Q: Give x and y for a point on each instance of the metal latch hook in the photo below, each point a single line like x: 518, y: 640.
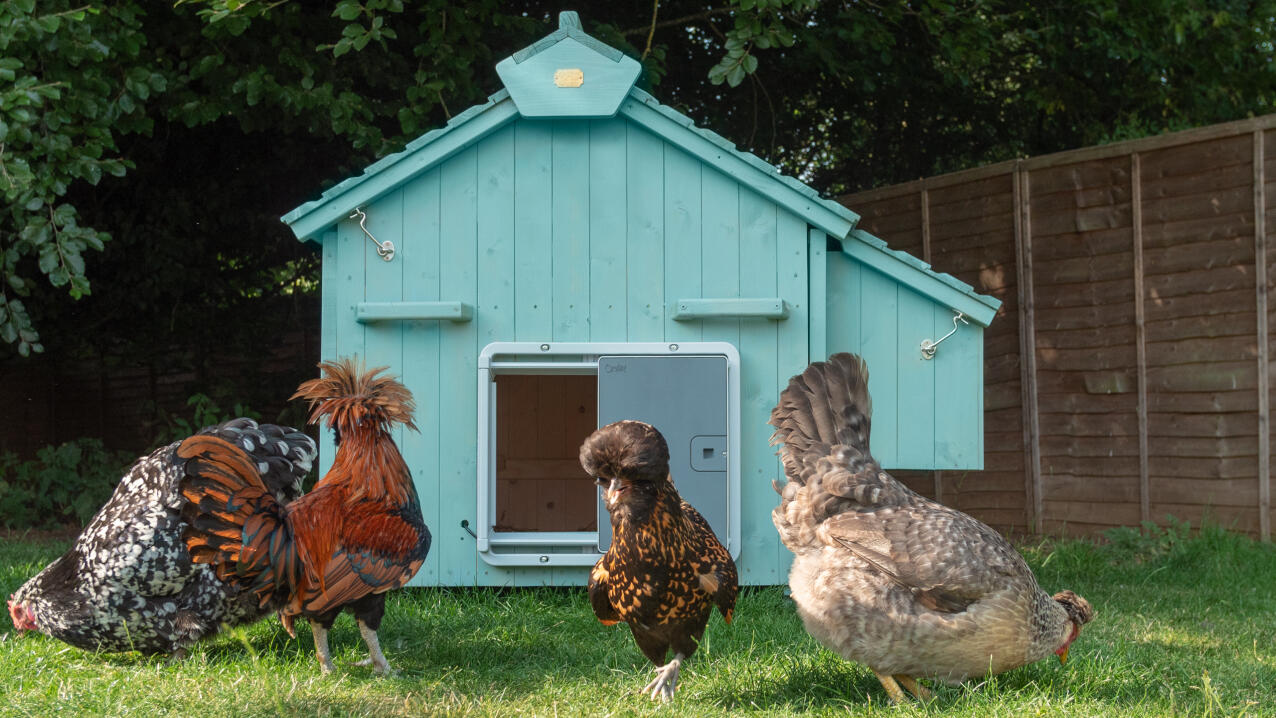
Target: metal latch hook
x: 929, y: 347
x: 385, y: 249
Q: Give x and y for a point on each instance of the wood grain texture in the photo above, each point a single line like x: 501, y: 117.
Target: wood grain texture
x: 1150, y: 356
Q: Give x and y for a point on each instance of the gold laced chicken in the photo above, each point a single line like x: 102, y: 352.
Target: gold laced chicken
x: 665, y: 569
x: 886, y: 577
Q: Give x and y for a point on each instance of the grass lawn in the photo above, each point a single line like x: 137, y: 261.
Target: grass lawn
x: 1184, y: 627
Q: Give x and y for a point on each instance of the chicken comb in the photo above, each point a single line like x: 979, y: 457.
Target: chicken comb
x: 350, y: 395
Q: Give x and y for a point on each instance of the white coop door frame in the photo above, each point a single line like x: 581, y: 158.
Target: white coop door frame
x: 581, y: 548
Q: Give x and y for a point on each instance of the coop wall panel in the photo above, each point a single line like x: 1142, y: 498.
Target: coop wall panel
x: 578, y: 231
x: 927, y: 413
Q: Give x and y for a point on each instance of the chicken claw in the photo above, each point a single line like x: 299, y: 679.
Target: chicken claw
x: 666, y: 680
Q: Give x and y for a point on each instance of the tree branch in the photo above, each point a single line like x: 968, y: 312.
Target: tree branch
x: 711, y: 12
x: 655, y: 9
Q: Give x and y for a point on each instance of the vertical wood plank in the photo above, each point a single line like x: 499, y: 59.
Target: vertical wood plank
x: 534, y: 226
x: 822, y: 306
x: 1140, y: 335
x: 720, y: 249
x: 683, y: 240
x: 495, y: 303
x: 959, y: 392
x: 916, y: 393
x: 1027, y: 350
x: 331, y: 319
x: 458, y: 439
x: 645, y: 235
x: 792, y: 353
x: 879, y: 345
x: 608, y: 285
x: 841, y: 311
x: 421, y: 274
x: 1264, y: 377
x: 759, y: 378
x: 570, y: 202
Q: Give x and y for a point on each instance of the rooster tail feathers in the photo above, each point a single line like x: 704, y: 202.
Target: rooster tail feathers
x: 233, y: 521
x: 349, y: 396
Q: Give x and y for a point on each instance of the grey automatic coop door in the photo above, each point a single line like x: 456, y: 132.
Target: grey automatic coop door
x: 686, y: 399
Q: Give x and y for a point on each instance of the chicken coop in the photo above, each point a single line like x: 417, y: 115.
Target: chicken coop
x: 572, y: 252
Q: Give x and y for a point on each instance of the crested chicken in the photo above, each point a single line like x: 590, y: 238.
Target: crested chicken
x: 358, y: 534
x: 886, y: 577
x: 128, y: 581
x: 665, y: 569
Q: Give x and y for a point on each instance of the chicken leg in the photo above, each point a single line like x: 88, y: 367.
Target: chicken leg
x: 666, y: 680
x: 321, y: 648
x: 375, y: 658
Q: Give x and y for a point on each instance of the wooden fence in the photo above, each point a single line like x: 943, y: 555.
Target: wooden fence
x: 1127, y: 375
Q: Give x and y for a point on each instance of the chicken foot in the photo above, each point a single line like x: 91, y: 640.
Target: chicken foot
x: 915, y: 687
x: 892, y: 688
x: 897, y: 695
x: 375, y: 658
x: 666, y: 680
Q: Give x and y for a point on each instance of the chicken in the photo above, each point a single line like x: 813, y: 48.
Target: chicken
x: 665, y: 570
x: 128, y: 581
x: 886, y: 577
x: 358, y: 534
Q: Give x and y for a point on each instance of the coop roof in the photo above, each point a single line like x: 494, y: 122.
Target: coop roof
x: 569, y: 74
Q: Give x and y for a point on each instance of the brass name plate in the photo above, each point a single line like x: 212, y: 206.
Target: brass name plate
x: 571, y: 77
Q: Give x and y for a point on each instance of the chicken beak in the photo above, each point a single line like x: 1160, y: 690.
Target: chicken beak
x: 613, y: 492
x: 1063, y: 656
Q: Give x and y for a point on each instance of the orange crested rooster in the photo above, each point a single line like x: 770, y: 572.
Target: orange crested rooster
x: 665, y: 570
x: 358, y: 534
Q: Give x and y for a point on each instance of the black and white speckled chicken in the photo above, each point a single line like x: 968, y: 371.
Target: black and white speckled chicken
x: 886, y: 577
x: 128, y: 581
x: 665, y: 569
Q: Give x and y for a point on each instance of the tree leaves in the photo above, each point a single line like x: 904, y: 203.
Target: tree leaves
x: 60, y: 107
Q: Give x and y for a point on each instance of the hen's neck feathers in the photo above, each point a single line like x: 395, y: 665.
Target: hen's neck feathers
x: 1049, y: 626
x: 664, y: 514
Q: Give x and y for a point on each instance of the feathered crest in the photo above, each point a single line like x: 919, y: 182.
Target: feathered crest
x: 626, y: 450
x: 350, y: 396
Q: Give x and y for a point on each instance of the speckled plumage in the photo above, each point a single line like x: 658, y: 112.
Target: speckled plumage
x: 886, y: 577
x: 665, y: 569
x: 128, y: 581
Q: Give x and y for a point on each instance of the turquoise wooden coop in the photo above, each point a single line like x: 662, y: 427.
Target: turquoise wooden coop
x: 573, y: 252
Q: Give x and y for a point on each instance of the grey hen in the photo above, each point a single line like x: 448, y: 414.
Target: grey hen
x: 886, y: 577
x: 128, y: 582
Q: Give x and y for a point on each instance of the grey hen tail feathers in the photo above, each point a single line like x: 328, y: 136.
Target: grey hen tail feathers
x: 824, y: 406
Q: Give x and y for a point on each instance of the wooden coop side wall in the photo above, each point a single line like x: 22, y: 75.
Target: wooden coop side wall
x: 565, y: 231
x: 926, y: 412
x: 1135, y: 382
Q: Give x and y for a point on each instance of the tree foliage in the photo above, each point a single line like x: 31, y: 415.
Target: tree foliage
x: 151, y: 147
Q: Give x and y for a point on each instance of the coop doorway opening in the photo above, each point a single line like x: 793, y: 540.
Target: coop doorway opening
x: 541, y: 421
